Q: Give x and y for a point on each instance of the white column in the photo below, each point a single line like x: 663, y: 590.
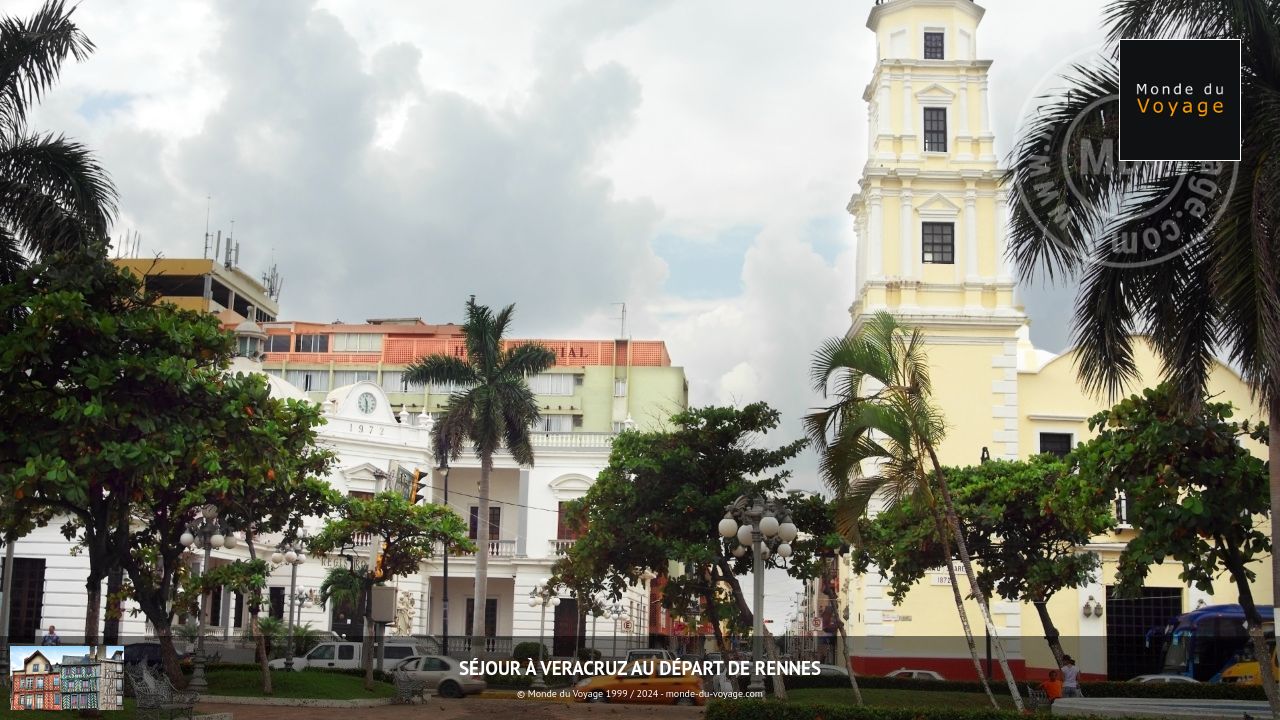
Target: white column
x: 971, y: 236
x: 962, y: 122
x: 875, y: 238
x: 1002, y: 237
x: 907, y: 235
x: 908, y: 108
x: 986, y: 115
x: 884, y: 117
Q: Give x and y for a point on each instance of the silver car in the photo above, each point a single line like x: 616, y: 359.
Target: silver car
x: 443, y: 675
x: 1164, y: 678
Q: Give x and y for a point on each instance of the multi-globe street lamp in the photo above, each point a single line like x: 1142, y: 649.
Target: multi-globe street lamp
x: 615, y: 613
x: 542, y: 594
x: 293, y: 555
x: 207, y: 533
x: 762, y: 527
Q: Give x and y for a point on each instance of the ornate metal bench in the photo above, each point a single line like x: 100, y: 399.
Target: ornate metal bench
x: 408, y: 687
x: 157, y: 697
x: 1037, y: 698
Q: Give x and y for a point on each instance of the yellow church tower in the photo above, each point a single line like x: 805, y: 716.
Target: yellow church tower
x: 929, y: 217
x: 930, y: 220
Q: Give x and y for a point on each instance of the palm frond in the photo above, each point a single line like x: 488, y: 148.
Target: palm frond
x: 32, y: 51
x: 440, y: 369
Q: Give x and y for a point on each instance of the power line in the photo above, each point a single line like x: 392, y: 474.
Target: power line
x: 502, y: 502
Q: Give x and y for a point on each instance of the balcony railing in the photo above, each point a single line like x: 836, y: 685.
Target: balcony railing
x: 560, y: 546
x: 497, y: 548
x: 572, y: 440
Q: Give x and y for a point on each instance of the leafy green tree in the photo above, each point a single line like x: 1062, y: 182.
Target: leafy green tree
x: 492, y: 407
x: 661, y: 497
x: 1024, y: 523
x: 884, y: 418
x: 1212, y: 282
x: 407, y: 536
x: 53, y: 194
x: 271, y: 479
x: 250, y: 455
x: 1196, y: 492
x: 98, y: 381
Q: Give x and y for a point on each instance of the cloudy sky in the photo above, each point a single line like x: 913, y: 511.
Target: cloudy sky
x: 691, y: 159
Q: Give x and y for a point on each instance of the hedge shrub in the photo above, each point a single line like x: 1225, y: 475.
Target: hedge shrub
x: 771, y: 710
x: 1182, y: 691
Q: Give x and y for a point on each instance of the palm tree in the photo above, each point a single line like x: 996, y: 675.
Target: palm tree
x: 491, y: 406
x: 1217, y: 286
x: 883, y: 415
x: 53, y: 194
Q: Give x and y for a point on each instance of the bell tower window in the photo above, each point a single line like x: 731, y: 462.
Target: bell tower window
x: 939, y: 243
x: 933, y: 44
x: 935, y: 129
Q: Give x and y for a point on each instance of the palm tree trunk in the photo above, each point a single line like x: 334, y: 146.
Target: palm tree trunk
x: 945, y: 538
x: 482, y: 557
x: 1273, y: 464
x: 964, y: 614
x: 954, y: 521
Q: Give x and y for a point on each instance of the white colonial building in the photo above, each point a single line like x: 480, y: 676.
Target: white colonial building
x: 380, y: 447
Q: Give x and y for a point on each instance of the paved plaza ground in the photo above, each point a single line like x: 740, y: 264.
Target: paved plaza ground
x: 472, y: 708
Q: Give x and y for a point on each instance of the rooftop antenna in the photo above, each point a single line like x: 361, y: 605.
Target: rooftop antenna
x: 208, y: 200
x: 137, y: 242
x: 622, y: 331
x: 217, y: 246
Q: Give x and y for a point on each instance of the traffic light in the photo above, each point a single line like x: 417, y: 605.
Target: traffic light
x: 421, y: 490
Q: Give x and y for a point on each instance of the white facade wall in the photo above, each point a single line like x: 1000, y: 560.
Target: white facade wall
x: 368, y: 442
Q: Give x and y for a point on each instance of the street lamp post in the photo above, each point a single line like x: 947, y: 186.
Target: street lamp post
x: 615, y: 612
x: 207, y: 533
x: 293, y: 555
x: 542, y: 594
x: 765, y: 527
x: 444, y: 599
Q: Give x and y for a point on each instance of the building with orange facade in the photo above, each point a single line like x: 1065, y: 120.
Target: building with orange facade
x: 37, y: 685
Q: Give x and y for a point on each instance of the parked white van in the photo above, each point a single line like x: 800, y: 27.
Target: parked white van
x: 346, y: 655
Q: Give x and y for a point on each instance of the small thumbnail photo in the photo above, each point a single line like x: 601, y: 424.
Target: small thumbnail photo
x: 66, y: 677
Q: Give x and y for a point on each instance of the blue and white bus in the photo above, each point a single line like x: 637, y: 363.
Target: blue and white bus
x: 1202, y: 643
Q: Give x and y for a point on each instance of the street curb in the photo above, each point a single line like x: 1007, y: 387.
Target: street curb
x: 292, y: 702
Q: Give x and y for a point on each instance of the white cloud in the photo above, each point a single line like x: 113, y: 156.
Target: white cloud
x: 394, y: 157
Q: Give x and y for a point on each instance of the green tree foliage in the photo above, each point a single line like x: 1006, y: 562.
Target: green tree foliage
x: 1212, y: 283
x: 491, y: 408
x: 1024, y: 523
x: 250, y: 455
x: 98, y: 378
x: 406, y: 536
x: 1197, y: 494
x: 882, y: 416
x: 272, y: 480
x: 661, y: 497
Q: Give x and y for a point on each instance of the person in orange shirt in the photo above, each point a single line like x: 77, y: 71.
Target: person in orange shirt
x: 1052, y: 687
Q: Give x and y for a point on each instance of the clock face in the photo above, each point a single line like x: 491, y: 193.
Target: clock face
x: 366, y: 402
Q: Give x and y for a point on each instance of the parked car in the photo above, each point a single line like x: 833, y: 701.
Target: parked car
x: 443, y: 675
x: 149, y: 653
x: 649, y: 654
x: 654, y: 688
x: 346, y: 655
x: 909, y: 674
x: 825, y: 670
x: 1164, y: 678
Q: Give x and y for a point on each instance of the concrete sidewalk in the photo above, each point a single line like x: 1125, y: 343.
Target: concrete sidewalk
x: 1153, y: 708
